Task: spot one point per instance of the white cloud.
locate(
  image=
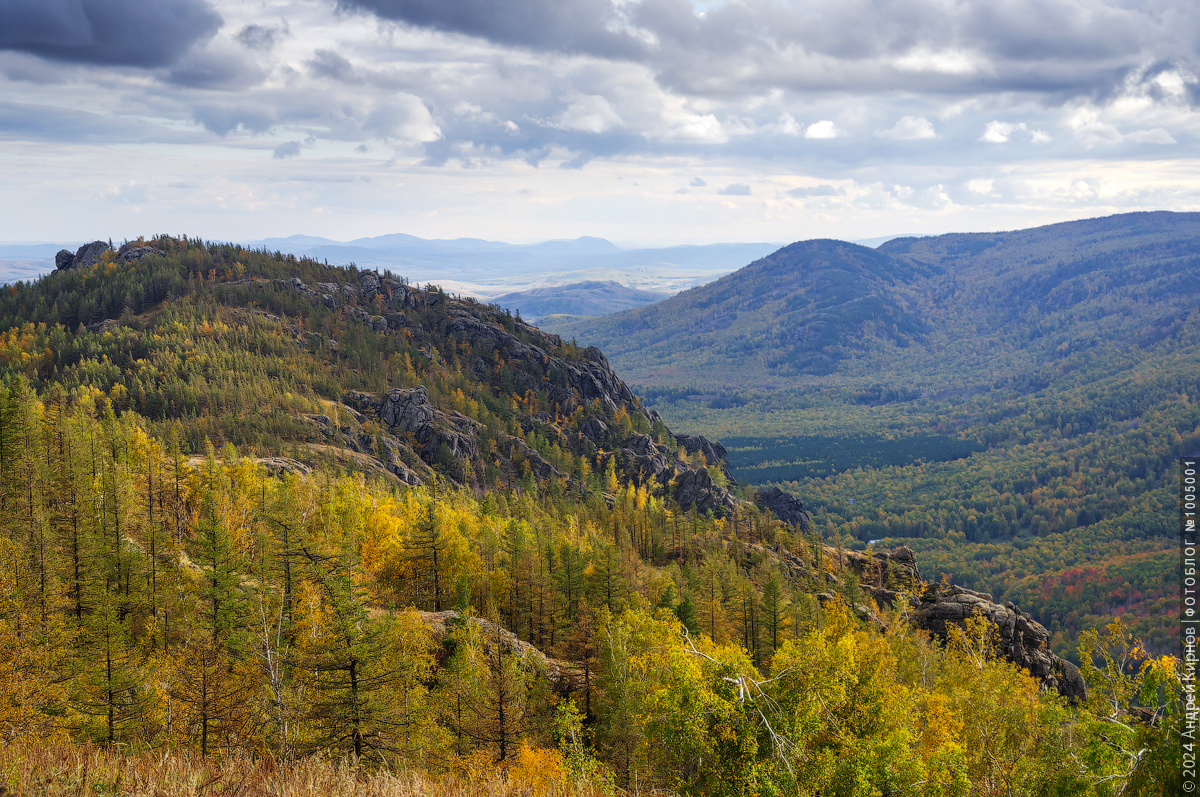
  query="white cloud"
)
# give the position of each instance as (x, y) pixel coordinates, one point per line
(946, 62)
(589, 114)
(980, 186)
(998, 132)
(909, 128)
(823, 129)
(1155, 136)
(402, 117)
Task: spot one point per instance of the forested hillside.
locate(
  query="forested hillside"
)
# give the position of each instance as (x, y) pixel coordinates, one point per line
(254, 508)
(1011, 405)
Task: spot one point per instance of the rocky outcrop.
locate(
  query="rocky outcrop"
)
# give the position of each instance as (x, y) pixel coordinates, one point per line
(714, 453)
(384, 450)
(409, 414)
(1020, 639)
(518, 451)
(89, 254)
(694, 487)
(279, 466)
(595, 430)
(564, 676)
(86, 255)
(785, 506)
(564, 379)
(136, 250)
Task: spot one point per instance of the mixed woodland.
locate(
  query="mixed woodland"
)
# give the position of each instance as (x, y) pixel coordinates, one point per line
(1010, 405)
(201, 591)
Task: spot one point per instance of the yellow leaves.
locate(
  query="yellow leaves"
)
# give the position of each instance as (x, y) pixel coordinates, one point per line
(538, 771)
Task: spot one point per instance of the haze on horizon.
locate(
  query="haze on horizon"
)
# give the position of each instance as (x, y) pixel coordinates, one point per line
(640, 121)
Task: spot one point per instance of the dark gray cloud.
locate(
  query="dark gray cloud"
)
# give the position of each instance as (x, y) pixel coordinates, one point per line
(332, 65)
(216, 69)
(986, 46)
(222, 118)
(262, 37)
(573, 26)
(124, 32)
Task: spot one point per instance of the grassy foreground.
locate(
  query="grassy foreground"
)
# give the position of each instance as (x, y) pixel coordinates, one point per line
(64, 768)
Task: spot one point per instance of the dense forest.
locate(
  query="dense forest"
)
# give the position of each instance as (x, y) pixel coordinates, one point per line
(217, 542)
(1019, 427)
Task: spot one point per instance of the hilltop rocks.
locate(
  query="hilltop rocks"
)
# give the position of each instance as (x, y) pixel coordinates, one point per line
(136, 250)
(785, 506)
(1021, 639)
(86, 255)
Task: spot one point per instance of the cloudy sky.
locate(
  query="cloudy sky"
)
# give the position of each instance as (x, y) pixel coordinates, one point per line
(649, 121)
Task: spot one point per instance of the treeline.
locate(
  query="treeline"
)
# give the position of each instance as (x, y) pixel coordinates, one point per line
(157, 603)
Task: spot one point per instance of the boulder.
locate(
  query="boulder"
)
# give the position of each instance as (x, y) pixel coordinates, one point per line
(694, 487)
(64, 260)
(410, 413)
(89, 254)
(1020, 639)
(714, 453)
(136, 250)
(368, 283)
(595, 430)
(785, 506)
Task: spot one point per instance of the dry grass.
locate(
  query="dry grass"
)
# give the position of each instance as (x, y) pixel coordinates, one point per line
(74, 770)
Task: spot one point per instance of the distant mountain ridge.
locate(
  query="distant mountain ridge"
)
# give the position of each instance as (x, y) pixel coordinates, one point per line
(595, 297)
(818, 308)
(477, 267)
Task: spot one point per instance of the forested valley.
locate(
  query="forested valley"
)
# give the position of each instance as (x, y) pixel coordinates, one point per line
(271, 526)
(1012, 405)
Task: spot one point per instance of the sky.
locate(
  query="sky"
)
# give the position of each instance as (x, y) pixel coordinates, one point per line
(647, 122)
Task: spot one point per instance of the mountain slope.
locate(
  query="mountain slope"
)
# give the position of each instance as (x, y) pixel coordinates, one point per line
(937, 312)
(274, 352)
(801, 310)
(1027, 433)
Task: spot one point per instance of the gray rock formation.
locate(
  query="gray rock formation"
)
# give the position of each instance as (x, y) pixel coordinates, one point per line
(1021, 639)
(519, 451)
(695, 487)
(409, 414)
(714, 453)
(785, 506)
(86, 255)
(89, 254)
(136, 250)
(595, 430)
